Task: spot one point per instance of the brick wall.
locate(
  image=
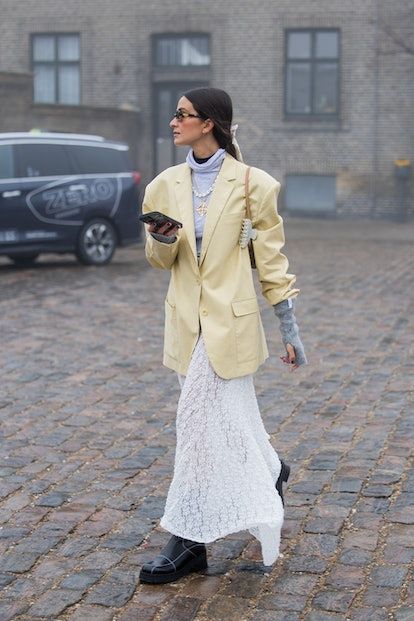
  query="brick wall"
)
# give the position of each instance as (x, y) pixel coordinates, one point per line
(15, 101)
(377, 96)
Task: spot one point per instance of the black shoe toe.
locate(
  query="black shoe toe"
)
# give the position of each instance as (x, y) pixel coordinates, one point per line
(177, 559)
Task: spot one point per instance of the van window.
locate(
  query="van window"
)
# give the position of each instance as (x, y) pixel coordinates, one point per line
(41, 160)
(91, 160)
(6, 161)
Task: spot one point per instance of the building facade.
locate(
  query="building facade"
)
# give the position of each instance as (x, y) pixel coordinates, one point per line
(323, 90)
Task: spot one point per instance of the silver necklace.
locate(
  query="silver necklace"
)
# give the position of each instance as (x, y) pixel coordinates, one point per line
(203, 206)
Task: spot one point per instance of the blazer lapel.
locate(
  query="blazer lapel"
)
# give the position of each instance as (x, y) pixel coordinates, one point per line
(221, 193)
(184, 196)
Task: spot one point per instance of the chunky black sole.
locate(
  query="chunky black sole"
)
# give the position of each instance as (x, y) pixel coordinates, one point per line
(283, 478)
(195, 564)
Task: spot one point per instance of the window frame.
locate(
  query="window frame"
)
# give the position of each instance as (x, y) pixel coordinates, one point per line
(156, 37)
(312, 61)
(56, 63)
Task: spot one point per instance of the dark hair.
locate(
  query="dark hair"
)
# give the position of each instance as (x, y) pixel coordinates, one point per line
(215, 104)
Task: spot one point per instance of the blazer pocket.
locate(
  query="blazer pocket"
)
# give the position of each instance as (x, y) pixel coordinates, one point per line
(247, 328)
(245, 307)
(170, 330)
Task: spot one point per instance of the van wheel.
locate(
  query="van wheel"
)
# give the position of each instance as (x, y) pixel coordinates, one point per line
(24, 260)
(96, 243)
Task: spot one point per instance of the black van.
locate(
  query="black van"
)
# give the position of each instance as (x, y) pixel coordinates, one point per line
(66, 193)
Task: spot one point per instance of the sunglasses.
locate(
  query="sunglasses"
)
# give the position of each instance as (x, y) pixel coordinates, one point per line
(180, 115)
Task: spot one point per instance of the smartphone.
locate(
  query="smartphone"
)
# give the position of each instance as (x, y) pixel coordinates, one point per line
(159, 219)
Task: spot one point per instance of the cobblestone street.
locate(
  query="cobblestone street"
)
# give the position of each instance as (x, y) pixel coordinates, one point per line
(87, 441)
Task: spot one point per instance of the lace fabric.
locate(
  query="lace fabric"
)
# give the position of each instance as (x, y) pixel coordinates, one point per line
(225, 466)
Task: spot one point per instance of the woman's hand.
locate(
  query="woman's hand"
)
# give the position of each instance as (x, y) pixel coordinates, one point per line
(290, 335)
(290, 358)
(165, 229)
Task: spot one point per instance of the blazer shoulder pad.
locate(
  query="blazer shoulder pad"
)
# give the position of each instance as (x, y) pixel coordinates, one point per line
(261, 179)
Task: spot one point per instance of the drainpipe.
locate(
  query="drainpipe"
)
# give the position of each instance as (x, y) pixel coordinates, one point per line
(375, 157)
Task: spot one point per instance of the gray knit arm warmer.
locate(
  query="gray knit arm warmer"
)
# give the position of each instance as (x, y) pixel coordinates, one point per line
(289, 328)
(165, 239)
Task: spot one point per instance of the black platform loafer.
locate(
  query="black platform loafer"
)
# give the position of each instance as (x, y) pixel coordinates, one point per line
(179, 558)
(283, 478)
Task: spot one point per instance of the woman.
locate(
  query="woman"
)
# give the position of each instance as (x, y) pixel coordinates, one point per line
(227, 476)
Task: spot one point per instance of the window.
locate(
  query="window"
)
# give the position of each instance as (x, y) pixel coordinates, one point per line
(41, 160)
(310, 193)
(182, 50)
(6, 162)
(91, 160)
(312, 73)
(56, 67)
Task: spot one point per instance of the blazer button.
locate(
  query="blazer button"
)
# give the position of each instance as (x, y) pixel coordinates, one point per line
(204, 312)
(198, 281)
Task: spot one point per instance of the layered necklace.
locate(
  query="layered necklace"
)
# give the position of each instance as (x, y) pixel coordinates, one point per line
(203, 206)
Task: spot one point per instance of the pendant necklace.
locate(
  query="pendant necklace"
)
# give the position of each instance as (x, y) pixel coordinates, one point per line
(203, 206)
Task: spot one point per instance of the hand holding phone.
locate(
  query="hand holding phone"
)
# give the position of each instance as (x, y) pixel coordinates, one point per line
(166, 229)
(160, 223)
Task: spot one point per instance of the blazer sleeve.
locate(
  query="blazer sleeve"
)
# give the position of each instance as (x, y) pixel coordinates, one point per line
(272, 265)
(159, 254)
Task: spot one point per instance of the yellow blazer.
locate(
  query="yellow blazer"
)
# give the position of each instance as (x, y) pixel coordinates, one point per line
(217, 294)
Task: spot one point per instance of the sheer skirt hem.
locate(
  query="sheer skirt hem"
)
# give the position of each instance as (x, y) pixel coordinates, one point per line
(267, 533)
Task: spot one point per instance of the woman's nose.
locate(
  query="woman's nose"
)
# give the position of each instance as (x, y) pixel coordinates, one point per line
(173, 122)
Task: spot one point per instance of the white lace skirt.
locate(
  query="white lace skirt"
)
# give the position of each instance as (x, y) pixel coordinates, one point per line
(225, 467)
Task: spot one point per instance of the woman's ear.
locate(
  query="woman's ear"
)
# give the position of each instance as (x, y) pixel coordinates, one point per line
(208, 126)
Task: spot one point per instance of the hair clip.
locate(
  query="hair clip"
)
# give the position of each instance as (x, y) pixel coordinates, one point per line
(233, 129)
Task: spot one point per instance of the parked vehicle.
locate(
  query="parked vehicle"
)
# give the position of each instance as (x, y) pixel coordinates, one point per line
(66, 193)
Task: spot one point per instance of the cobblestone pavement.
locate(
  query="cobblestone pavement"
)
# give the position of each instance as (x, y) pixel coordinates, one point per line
(88, 435)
